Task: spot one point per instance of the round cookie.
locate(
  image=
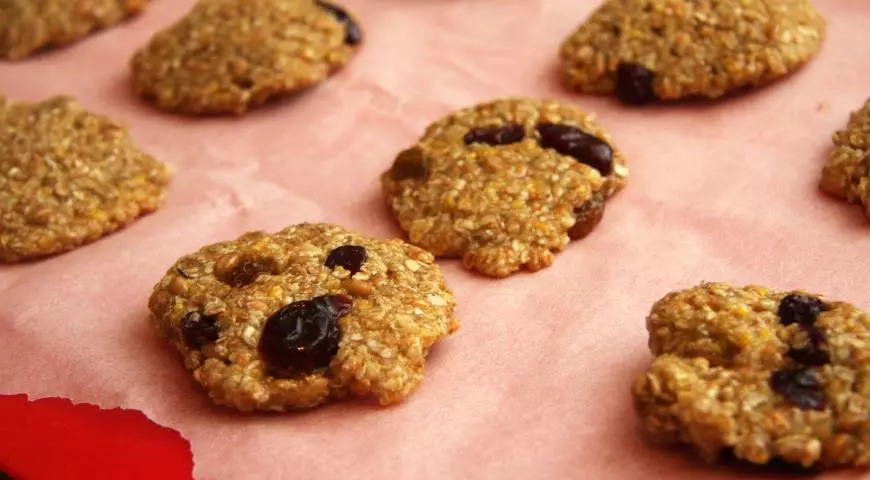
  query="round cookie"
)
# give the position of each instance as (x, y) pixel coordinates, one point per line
(765, 375)
(647, 50)
(303, 316)
(28, 26)
(846, 174)
(226, 56)
(68, 177)
(505, 184)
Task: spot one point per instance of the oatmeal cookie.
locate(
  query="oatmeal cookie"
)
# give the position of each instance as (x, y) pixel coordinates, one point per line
(226, 56)
(28, 26)
(765, 375)
(304, 316)
(646, 50)
(68, 177)
(847, 174)
(505, 184)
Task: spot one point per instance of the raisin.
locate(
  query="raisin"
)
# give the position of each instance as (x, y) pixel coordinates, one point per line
(802, 309)
(588, 216)
(246, 272)
(502, 135)
(199, 329)
(353, 34)
(303, 336)
(351, 257)
(814, 353)
(585, 148)
(634, 84)
(409, 165)
(800, 386)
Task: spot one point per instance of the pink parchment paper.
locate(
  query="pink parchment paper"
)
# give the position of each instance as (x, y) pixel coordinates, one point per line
(535, 384)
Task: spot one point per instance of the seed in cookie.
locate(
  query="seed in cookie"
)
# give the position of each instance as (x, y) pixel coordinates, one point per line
(648, 50)
(294, 44)
(847, 173)
(350, 257)
(500, 135)
(301, 334)
(504, 185)
(572, 141)
(731, 376)
(68, 177)
(30, 26)
(198, 329)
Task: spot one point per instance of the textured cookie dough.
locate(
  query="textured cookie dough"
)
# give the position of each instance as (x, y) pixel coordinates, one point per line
(28, 26)
(644, 50)
(846, 174)
(226, 56)
(221, 307)
(481, 185)
(765, 375)
(68, 177)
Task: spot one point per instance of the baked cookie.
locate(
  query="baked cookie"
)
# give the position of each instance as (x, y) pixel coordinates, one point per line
(765, 375)
(846, 174)
(505, 184)
(303, 316)
(226, 56)
(68, 177)
(28, 26)
(646, 50)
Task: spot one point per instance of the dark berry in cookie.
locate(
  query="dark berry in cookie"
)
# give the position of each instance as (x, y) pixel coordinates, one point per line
(798, 308)
(351, 257)
(588, 216)
(303, 336)
(353, 34)
(199, 329)
(814, 352)
(246, 272)
(586, 149)
(502, 135)
(634, 84)
(800, 386)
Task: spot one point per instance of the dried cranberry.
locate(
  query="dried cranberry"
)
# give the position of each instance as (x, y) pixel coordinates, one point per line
(588, 215)
(634, 84)
(802, 309)
(199, 329)
(351, 257)
(353, 34)
(801, 386)
(409, 164)
(503, 135)
(814, 353)
(246, 272)
(587, 149)
(303, 336)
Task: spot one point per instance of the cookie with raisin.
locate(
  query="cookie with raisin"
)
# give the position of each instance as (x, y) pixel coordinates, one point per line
(763, 375)
(69, 177)
(304, 316)
(506, 184)
(648, 50)
(228, 56)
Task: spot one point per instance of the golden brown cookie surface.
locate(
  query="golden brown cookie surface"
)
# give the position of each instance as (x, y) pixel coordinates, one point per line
(764, 374)
(304, 316)
(68, 177)
(646, 50)
(27, 26)
(505, 184)
(226, 56)
(847, 174)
